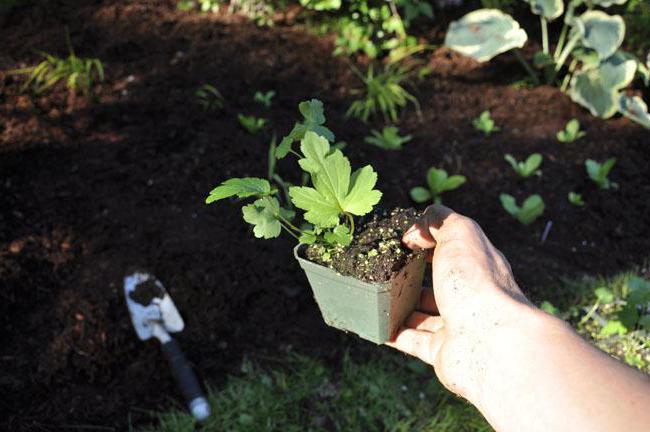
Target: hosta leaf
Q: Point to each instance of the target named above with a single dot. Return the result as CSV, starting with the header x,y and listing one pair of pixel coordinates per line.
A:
x,y
549,9
607,3
618,70
241,187
362,197
263,215
587,89
485,33
602,32
420,194
634,108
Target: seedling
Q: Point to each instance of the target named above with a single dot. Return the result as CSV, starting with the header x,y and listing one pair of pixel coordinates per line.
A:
x,y
264,98
438,182
329,205
77,73
383,92
251,123
313,120
526,168
530,210
575,199
485,123
599,172
388,139
571,132
209,97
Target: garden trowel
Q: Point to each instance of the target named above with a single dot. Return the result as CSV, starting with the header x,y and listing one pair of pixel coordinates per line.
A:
x,y
154,314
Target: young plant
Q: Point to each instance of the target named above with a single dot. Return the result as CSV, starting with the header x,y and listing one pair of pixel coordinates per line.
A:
x,y
571,132
79,74
383,92
264,98
329,205
587,63
599,173
438,182
575,199
528,167
209,97
388,139
251,123
313,116
485,123
530,210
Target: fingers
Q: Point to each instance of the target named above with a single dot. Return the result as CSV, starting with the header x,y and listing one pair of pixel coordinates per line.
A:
x,y
424,322
421,344
427,302
422,235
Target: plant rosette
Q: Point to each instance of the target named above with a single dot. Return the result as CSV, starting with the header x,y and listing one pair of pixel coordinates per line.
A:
x,y
362,278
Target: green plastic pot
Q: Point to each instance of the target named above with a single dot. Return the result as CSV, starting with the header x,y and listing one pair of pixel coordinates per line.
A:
x,y
374,311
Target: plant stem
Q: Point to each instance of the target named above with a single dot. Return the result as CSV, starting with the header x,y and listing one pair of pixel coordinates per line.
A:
x,y
590,313
295,153
351,220
289,231
526,66
289,224
544,34
567,78
566,51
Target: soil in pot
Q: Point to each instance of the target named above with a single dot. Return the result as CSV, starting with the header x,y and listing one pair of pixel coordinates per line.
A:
x,y
377,252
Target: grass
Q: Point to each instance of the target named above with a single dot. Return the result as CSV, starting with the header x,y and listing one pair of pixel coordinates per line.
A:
x,y
386,392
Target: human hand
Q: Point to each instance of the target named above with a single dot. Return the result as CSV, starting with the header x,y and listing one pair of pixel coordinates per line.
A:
x,y
474,304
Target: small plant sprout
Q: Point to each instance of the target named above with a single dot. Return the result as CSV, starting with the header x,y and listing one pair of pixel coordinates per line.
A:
x,y
571,132
576,199
251,123
209,97
335,197
599,172
264,98
438,182
313,120
528,167
530,210
388,139
485,123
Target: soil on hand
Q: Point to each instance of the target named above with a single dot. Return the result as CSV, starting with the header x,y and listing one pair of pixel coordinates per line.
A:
x,y
377,252
90,187
146,291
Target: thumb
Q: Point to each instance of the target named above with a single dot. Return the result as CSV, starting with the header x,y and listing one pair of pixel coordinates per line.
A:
x,y
424,233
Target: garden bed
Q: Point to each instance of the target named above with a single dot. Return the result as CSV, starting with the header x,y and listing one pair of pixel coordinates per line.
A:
x,y
90,190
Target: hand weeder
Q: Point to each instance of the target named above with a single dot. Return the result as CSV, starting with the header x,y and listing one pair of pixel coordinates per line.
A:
x,y
154,314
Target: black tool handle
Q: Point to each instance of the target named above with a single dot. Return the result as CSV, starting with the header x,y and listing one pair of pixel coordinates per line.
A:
x,y
186,379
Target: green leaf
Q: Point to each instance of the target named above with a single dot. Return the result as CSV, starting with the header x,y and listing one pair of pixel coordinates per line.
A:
x,y
531,209
313,120
509,204
436,179
635,108
628,316
241,187
513,162
602,32
420,194
549,9
546,306
307,238
362,197
644,322
638,291
453,182
532,163
339,235
284,147
263,215
604,295
575,199
613,327
320,210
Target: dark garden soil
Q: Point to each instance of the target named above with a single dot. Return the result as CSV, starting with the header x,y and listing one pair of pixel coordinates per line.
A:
x,y
90,189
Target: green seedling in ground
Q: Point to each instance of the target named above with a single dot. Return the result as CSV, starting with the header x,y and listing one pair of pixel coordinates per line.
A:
x,y
528,167
530,210
264,98
383,92
388,139
571,132
329,205
485,123
438,182
79,74
313,120
599,173
576,199
209,97
251,123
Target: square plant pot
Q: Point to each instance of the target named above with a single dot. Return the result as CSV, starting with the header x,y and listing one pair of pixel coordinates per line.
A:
x,y
374,311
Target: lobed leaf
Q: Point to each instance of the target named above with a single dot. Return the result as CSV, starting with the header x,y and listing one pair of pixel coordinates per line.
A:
x,y
241,187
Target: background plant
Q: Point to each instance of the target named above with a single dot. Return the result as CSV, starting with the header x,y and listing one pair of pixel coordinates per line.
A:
x,y
530,210
485,123
571,132
209,97
388,139
599,173
264,98
575,199
528,167
587,62
438,182
251,123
